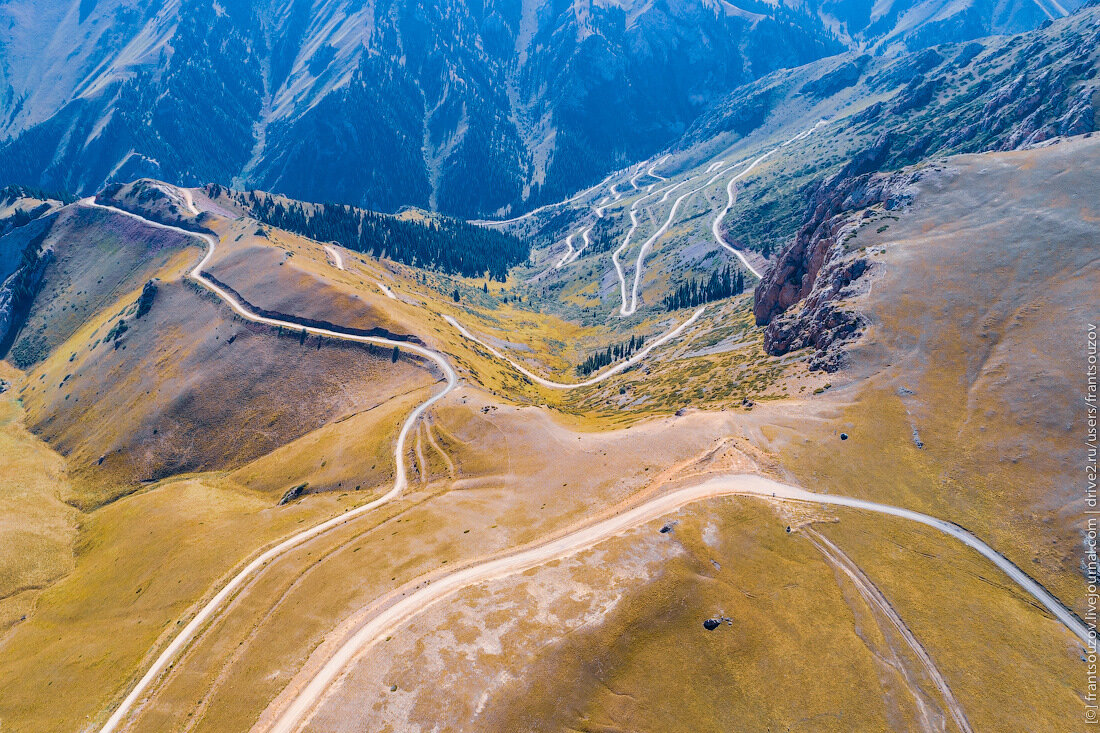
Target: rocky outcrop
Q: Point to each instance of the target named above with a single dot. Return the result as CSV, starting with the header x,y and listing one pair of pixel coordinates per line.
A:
x,y
916,95
796,270
1015,93
145,300
842,77
823,325
18,290
817,271
1049,111
20,205
293,494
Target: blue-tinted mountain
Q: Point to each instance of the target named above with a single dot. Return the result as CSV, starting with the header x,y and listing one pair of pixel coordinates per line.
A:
x,y
464,107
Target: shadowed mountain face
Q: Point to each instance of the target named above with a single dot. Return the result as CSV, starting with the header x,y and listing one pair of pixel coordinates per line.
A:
x,y
390,103
892,26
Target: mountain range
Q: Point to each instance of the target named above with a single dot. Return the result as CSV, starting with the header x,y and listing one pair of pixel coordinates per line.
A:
x,y
386,104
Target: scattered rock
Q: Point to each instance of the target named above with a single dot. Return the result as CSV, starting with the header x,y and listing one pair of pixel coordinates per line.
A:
x,y
145,300
293,494
788,529
116,331
916,95
916,439
905,392
668,527
713,623
844,436
5,385
681,412
840,78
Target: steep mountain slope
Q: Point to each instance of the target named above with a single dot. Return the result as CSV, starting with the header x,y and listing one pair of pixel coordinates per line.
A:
x,y
914,24
996,93
394,103
399,102
769,177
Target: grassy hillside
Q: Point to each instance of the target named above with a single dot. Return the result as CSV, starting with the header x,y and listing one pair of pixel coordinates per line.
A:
x,y
96,260
167,431
186,388
37,528
976,311
980,300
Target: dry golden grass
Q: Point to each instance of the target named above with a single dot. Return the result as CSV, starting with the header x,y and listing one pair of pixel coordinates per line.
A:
x,y
1009,663
99,258
976,348
187,388
650,664
521,476
141,563
613,638
37,527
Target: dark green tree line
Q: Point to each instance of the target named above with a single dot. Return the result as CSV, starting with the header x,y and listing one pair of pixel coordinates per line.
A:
x,y
721,284
440,243
611,354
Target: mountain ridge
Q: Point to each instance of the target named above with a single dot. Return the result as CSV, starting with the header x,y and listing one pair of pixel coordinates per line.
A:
x,y
371,106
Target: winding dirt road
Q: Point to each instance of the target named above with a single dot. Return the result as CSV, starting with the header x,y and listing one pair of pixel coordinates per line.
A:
x,y
717,169
291,712
716,225
400,481
639,264
386,290
571,252
303,697
214,605
610,372
652,172
667,191
874,598
334,253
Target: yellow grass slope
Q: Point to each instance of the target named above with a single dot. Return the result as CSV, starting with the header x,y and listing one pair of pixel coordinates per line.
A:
x,y
37,527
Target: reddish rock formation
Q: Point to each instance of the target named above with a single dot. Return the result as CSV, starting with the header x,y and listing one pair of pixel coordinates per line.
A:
x,y
816,270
